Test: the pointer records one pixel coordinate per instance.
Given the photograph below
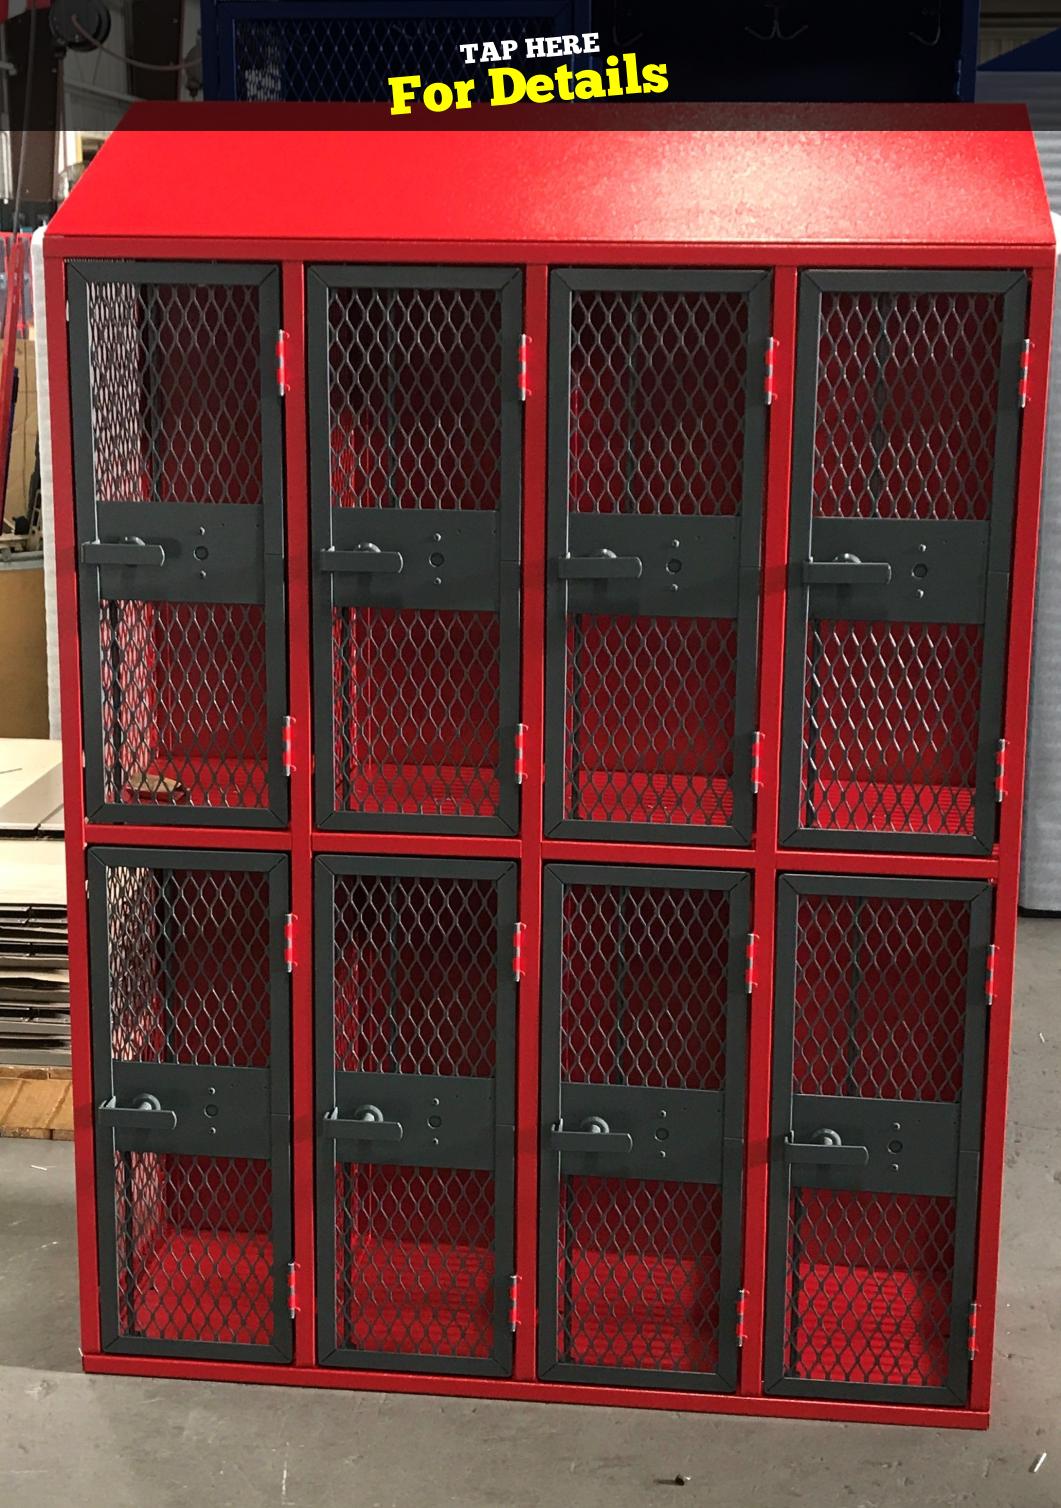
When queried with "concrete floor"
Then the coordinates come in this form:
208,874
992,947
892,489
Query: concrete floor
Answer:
69,1441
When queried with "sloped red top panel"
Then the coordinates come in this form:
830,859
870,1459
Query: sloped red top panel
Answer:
889,175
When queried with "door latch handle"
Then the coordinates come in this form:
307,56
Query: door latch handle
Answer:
367,559
132,551
826,1146
366,1124
594,1135
846,570
604,566
144,1114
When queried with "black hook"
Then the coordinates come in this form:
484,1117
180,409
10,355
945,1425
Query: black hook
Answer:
931,41
776,34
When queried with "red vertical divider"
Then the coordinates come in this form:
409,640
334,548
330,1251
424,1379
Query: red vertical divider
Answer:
528,1043
65,540
1015,729
772,643
303,1122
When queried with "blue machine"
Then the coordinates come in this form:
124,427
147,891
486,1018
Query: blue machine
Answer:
337,50
720,50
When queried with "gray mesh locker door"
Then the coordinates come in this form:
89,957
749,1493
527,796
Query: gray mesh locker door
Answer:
178,471
190,1011
416,438
904,469
880,1025
656,460
643,1040
415,1044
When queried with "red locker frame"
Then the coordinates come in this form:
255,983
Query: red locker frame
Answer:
941,205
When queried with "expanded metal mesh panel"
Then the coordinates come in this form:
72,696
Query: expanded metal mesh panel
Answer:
415,399
908,394
657,402
352,58
868,1287
644,986
416,1271
649,720
194,1248
639,1274
891,726
415,975
188,966
185,718
416,709
880,997
176,392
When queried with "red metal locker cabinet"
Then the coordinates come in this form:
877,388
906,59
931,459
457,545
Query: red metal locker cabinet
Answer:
552,671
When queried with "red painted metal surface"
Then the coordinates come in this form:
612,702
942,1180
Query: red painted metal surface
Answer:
532,710
772,636
73,809
303,1114
543,1392
810,176
1018,672
834,197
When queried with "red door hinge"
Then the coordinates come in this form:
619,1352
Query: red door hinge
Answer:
1000,769
751,977
521,752
769,377
521,369
286,753
742,1300
974,1314
292,1289
757,762
1025,374
281,363
513,1302
989,973
517,951
289,941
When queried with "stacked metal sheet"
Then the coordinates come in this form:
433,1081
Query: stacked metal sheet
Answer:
34,976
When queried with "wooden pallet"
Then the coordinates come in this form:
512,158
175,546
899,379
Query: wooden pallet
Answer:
36,1103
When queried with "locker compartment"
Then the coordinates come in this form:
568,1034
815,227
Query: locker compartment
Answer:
639,1275
189,998
881,1019
194,1251
657,429
904,474
642,1142
177,462
415,1070
415,437
417,1273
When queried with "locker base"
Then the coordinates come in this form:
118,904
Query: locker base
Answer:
870,1325
180,778
536,1392
198,1281
859,806
445,1306
419,790
667,798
